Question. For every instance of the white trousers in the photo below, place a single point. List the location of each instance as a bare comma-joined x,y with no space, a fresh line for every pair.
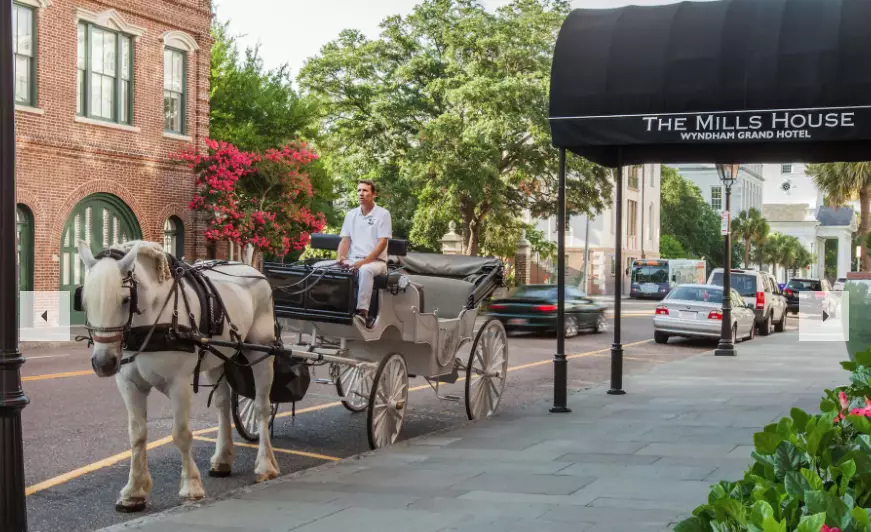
365,278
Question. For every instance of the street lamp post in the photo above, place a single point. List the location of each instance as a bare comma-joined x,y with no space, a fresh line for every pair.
728,175
13,506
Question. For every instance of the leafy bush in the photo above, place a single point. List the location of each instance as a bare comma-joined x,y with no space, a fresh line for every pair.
810,473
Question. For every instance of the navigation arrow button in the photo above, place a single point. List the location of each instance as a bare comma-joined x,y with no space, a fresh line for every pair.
45,316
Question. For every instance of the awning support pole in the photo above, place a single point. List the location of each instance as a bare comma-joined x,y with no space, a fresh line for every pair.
560,364
617,347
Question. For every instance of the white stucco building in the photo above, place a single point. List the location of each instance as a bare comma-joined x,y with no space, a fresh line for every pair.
794,206
641,230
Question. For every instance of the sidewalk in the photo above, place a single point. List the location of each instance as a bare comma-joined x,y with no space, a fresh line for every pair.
636,462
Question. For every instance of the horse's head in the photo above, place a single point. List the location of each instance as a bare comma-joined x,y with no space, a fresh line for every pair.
109,297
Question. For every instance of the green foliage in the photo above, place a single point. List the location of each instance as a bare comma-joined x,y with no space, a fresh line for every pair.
688,218
671,248
256,110
447,111
808,470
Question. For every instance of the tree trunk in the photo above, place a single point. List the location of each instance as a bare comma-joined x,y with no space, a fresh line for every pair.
746,252
864,204
474,239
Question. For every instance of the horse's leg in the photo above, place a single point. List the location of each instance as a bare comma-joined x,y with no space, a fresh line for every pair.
135,391
180,395
222,460
263,332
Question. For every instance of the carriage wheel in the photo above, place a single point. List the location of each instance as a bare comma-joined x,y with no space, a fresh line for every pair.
387,401
358,383
246,419
486,371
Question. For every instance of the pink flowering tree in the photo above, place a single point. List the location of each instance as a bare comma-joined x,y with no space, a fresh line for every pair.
257,199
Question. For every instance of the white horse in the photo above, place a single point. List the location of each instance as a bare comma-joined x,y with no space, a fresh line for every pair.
107,306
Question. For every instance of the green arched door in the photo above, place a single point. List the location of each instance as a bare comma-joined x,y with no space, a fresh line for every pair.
101,220
24,258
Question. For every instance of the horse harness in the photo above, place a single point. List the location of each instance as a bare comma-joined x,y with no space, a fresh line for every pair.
170,336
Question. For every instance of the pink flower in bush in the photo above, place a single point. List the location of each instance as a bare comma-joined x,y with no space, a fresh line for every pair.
842,397
827,529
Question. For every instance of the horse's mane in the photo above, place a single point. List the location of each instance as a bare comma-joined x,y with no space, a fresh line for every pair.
152,250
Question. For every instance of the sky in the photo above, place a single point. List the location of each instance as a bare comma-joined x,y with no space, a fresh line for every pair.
291,31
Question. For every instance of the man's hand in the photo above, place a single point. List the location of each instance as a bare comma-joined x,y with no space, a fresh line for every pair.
360,263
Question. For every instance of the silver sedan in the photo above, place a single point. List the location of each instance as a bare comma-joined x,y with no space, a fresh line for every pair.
696,311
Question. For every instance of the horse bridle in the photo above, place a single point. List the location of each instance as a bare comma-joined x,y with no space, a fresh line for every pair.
129,282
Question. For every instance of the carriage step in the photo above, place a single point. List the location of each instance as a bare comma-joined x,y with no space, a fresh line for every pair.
455,398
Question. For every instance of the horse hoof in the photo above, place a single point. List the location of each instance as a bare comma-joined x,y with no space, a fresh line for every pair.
130,507
222,471
264,477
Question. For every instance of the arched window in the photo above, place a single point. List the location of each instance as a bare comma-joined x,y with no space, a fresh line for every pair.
173,236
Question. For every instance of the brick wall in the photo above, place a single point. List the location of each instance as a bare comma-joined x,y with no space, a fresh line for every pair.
61,160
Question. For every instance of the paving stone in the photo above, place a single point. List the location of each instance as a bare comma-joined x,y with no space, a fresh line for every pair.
701,450
742,451
639,471
600,458
603,515
525,483
366,520
481,509
584,446
642,504
507,444
262,514
653,489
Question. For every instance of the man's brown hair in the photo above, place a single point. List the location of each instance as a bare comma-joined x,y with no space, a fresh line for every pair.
368,182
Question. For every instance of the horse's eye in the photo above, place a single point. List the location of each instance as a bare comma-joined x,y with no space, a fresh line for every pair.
126,300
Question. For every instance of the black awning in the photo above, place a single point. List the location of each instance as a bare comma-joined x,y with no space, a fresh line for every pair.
726,81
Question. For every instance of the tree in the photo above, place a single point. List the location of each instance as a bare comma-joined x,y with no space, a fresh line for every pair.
688,218
746,226
844,181
448,110
261,200
670,248
256,110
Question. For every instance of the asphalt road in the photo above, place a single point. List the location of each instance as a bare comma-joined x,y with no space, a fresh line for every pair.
75,428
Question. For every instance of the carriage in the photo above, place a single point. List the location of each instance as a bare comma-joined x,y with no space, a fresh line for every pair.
422,324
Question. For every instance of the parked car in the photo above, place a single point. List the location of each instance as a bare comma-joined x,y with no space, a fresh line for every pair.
838,285
816,304
696,311
534,307
760,289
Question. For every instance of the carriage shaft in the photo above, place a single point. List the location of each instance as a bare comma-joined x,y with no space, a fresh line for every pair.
317,354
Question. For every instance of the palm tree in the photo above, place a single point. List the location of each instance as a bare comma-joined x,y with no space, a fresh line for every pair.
745,226
760,230
741,231
841,182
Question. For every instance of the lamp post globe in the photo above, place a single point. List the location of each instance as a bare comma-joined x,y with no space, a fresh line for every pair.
728,175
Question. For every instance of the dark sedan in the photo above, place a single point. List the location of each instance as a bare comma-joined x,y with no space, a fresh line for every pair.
816,302
533,307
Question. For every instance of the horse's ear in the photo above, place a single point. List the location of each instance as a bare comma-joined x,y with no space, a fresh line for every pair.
86,255
127,261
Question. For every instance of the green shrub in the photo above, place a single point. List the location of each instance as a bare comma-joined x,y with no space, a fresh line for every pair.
810,473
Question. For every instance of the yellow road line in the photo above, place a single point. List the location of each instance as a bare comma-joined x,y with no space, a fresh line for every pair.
90,468
112,460
57,375
276,449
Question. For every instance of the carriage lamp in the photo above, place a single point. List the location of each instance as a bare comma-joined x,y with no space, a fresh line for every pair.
728,176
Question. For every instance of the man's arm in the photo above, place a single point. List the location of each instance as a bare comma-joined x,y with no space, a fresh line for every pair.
372,257
344,247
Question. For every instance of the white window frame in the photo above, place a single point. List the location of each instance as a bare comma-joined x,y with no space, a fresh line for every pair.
719,197
183,43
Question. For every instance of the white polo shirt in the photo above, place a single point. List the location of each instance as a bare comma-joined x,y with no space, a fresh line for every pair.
366,230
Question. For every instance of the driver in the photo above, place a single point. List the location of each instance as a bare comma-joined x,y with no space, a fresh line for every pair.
365,233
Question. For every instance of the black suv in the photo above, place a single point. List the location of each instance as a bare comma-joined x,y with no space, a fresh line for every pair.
804,284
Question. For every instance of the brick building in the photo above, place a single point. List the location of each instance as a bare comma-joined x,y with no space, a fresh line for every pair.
105,90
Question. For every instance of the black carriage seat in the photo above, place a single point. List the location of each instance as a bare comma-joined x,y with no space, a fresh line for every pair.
395,248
